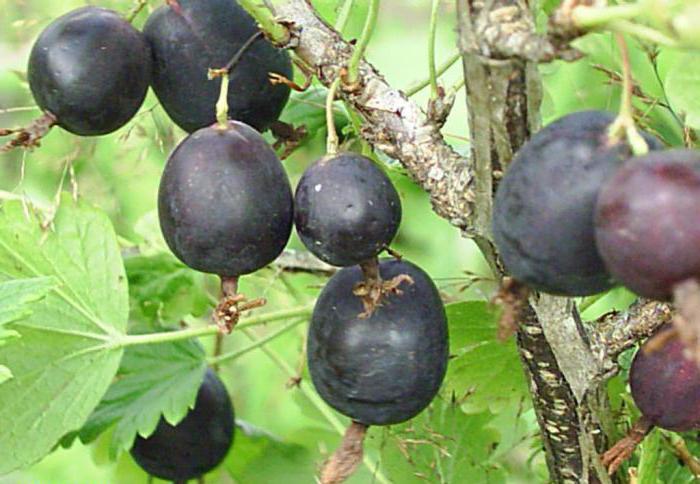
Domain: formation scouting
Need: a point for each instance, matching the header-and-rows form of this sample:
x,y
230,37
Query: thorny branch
x,y
567,362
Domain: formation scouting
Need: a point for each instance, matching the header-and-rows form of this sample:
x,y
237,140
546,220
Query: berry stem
x,y
344,461
209,330
246,45
431,50
624,125
222,103
229,286
361,46
332,137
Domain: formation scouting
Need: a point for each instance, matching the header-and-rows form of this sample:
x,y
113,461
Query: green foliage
x,y
162,289
152,380
681,83
261,457
65,357
308,108
443,445
15,298
484,373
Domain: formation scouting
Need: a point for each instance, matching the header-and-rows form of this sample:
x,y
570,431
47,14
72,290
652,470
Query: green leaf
x,y
260,457
5,374
153,380
66,356
442,444
308,108
682,84
15,299
482,367
17,295
648,471
161,287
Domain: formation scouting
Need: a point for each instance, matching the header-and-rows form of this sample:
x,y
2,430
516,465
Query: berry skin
x,y
647,226
203,34
224,203
346,209
197,444
543,209
385,368
90,68
665,386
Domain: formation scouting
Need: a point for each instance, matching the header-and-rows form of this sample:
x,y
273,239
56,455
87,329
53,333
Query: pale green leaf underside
x,y
65,357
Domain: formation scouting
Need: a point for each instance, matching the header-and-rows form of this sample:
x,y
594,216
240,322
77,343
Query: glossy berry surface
x,y
647,226
197,444
665,386
90,68
543,209
224,203
202,34
346,209
385,368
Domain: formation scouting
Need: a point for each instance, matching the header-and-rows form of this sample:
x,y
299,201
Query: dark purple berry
x,y
346,209
384,368
225,203
90,69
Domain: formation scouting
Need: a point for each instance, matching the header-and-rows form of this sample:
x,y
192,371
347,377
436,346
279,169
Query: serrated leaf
x,y
259,457
443,444
67,354
482,367
162,287
308,108
153,380
682,84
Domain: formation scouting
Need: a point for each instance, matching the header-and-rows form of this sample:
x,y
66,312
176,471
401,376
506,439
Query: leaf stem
x,y
209,330
431,49
265,18
166,336
226,357
370,22
595,17
420,85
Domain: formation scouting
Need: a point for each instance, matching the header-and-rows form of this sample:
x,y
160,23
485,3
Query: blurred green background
x,y
120,174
